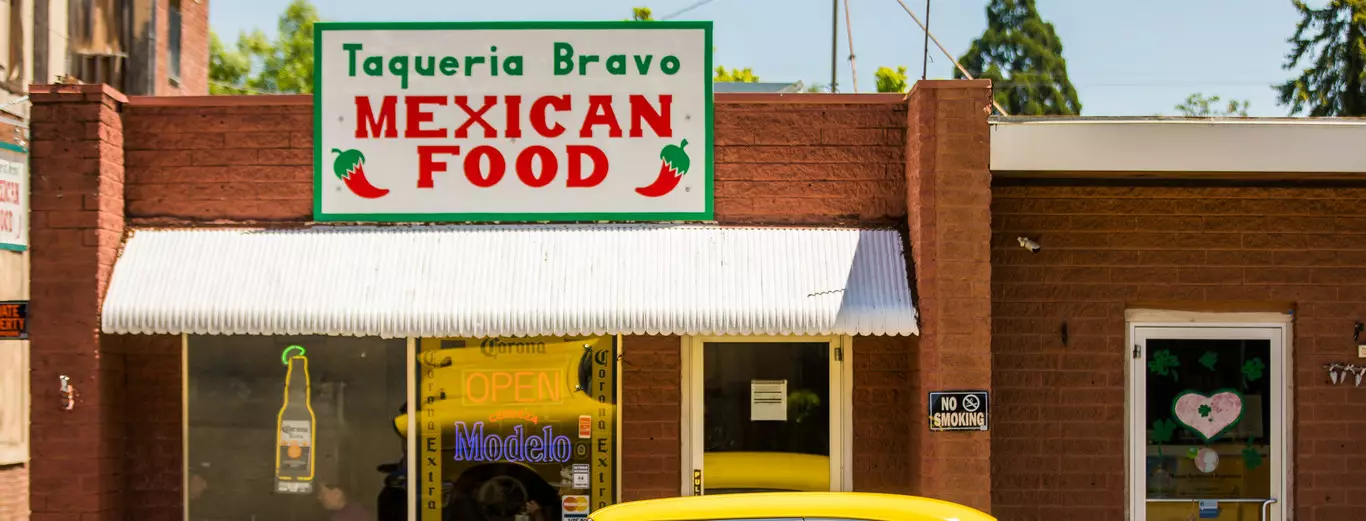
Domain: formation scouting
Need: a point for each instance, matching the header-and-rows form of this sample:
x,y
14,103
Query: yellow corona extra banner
x,y
536,416
604,391
430,443
294,433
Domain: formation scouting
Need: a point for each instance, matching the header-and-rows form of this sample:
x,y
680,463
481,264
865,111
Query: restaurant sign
x,y
512,121
13,197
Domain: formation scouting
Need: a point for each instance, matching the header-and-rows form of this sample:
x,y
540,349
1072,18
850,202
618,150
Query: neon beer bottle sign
x,y
294,435
472,445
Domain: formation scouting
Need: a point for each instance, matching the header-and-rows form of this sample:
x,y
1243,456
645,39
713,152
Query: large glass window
x,y
515,429
292,428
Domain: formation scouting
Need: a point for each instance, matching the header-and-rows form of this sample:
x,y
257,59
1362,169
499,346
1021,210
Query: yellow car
x,y
794,506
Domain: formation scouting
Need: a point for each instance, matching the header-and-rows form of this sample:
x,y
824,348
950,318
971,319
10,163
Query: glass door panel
x,y
1209,420
766,421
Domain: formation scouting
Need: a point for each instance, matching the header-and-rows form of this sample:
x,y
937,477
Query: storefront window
x,y
292,428
767,416
515,429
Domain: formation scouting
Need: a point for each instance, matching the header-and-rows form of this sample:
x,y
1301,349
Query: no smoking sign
x,y
959,410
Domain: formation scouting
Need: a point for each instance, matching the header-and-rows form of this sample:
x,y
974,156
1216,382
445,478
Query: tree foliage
x,y
891,80
257,64
228,68
745,75
1198,105
1022,55
1333,80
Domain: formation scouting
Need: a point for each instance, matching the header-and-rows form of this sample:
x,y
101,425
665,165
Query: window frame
x,y
1213,326
175,22
692,384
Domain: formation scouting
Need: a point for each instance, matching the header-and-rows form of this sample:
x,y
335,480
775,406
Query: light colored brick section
x,y
948,189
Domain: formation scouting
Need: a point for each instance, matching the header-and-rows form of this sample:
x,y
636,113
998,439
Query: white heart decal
x,y
1208,415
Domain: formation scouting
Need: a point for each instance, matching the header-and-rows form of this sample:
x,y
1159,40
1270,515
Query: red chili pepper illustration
x,y
673,166
350,168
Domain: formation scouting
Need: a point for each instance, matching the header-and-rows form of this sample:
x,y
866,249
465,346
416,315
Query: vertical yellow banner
x,y
604,391
429,458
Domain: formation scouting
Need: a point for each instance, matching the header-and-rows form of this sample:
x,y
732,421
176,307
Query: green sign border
x,y
319,160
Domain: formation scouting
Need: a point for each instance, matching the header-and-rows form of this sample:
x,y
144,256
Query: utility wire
x,y
849,27
946,53
688,8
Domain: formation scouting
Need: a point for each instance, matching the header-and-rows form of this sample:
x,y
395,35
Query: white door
x,y
1207,426
764,414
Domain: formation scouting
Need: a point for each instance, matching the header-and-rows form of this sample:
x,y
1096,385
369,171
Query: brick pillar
x,y
76,227
948,205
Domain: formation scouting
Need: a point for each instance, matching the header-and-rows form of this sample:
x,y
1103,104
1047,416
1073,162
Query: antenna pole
x,y
926,59
834,44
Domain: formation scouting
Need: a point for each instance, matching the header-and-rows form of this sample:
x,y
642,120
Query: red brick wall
x,y
13,492
651,406
1058,447
883,458
810,163
194,49
76,228
152,456
948,191
236,163
780,163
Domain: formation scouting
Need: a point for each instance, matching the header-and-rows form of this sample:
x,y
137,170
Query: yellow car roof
x,y
769,505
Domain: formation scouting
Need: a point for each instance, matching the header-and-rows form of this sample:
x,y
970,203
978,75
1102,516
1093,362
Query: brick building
x,y
178,256
151,163
105,41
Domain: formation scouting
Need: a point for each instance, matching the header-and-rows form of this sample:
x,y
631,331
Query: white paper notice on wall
x,y
768,400
13,198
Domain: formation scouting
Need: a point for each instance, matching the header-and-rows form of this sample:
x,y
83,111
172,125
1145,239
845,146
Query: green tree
x,y
1198,105
746,75
889,80
258,64
1333,82
1022,55
229,69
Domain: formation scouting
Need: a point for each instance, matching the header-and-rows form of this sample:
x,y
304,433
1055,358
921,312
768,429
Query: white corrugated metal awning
x,y
512,280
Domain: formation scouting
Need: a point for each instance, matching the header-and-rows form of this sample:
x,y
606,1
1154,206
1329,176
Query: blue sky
x,y
1125,58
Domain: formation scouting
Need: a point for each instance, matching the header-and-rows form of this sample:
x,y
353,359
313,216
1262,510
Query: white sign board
x,y
513,121
768,400
13,197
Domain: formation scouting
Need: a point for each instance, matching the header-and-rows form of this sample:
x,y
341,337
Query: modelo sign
x,y
514,121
